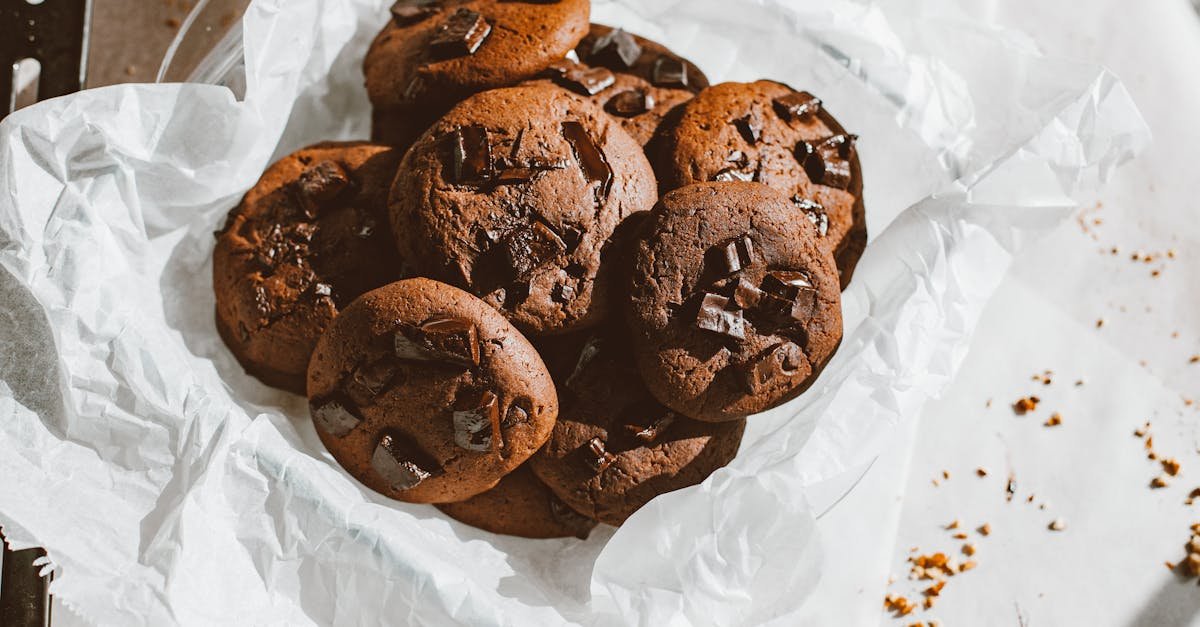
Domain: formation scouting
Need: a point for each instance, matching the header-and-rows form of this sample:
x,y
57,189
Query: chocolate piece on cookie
x,y
626,53
434,53
426,394
769,133
614,447
520,505
515,196
310,237
735,306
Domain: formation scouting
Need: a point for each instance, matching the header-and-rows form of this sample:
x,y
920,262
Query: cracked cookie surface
x,y
426,394
311,236
734,306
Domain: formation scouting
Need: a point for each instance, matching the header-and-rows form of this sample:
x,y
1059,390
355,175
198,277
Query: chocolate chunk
x,y
783,359
516,415
797,106
472,155
669,72
598,459
617,48
529,248
816,214
789,295
743,294
735,255
461,34
336,416
407,12
714,315
630,103
734,174
401,464
656,428
444,339
591,159
477,422
570,518
588,81
322,289
750,127
320,184
370,380
562,293
571,237
827,162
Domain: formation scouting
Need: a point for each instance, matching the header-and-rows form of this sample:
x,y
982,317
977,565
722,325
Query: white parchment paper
x,y
170,488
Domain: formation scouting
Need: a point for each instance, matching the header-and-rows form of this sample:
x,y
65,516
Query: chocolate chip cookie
x,y
626,53
428,395
434,53
768,132
614,447
521,505
735,307
310,237
638,105
515,196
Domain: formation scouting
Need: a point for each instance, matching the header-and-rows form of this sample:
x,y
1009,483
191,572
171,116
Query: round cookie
x,y
426,394
432,54
770,133
310,237
638,105
614,447
735,308
520,505
626,53
515,196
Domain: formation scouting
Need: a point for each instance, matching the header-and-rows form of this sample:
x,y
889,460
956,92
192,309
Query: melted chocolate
x,y
714,315
450,340
401,464
460,35
797,106
597,456
630,103
477,422
591,159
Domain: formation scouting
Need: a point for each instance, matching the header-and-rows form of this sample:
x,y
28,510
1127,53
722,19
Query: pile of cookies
x,y
560,276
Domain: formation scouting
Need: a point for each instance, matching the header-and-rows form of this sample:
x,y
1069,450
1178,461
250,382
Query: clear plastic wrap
x,y
169,487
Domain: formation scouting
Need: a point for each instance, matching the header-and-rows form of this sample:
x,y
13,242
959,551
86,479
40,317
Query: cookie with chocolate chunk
x,y
426,394
434,53
639,106
520,505
770,133
735,306
626,53
310,237
615,447
516,196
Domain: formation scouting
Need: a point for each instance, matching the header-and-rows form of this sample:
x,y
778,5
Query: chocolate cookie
x,y
515,195
520,505
434,53
627,53
735,307
638,105
614,447
770,133
310,237
426,394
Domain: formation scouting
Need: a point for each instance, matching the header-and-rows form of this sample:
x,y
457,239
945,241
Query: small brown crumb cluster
x,y
1170,466
1026,405
1189,566
936,568
1046,377
1054,420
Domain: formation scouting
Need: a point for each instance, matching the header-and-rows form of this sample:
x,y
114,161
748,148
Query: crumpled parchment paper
x,y
171,488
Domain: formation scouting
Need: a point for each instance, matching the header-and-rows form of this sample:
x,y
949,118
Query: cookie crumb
x,y
1057,524
1054,420
953,524
985,529
960,536
1192,496
968,549
1142,430
1026,405
1010,488
1079,383
981,471
1099,323
1171,466
1194,360
946,474
1159,482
